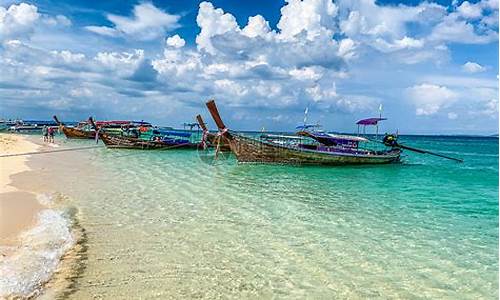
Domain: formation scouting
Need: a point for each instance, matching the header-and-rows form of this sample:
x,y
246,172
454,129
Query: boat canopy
x,y
370,121
280,136
308,126
347,137
173,133
330,139
39,123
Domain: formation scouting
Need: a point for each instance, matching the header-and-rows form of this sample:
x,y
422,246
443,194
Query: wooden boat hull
x,y
253,150
75,133
249,150
122,142
213,140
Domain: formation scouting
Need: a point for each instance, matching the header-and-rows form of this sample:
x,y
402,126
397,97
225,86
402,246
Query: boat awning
x,y
280,136
174,133
370,121
113,122
347,137
331,139
308,126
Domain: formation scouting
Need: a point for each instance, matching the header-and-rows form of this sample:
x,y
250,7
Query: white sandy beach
x,y
18,209
34,236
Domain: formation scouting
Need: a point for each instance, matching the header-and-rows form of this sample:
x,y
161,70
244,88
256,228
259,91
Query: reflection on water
x,y
163,224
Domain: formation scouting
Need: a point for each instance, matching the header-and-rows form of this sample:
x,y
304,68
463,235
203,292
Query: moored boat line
x,y
84,130
308,146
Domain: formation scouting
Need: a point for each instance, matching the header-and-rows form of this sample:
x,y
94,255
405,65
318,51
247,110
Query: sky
x,y
431,66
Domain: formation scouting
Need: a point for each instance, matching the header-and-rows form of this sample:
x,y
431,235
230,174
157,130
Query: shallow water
x,y
166,225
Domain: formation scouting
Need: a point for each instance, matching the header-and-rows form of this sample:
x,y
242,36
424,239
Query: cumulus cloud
x,y
17,20
314,18
430,98
212,22
257,27
469,24
373,23
175,41
472,67
328,55
258,66
470,11
148,22
390,29
460,31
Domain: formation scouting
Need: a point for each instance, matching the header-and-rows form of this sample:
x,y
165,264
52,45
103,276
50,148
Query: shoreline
x,y
36,233
18,208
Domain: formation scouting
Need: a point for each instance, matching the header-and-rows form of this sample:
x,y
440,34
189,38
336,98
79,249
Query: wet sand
x,y
18,208
18,212
39,237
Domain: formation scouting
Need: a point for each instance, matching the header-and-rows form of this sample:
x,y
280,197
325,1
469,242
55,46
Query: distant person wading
x,y
45,133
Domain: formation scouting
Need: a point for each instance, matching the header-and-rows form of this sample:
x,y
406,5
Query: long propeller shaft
x,y
428,152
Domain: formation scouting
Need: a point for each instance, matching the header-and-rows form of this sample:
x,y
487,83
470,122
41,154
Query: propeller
x,y
392,141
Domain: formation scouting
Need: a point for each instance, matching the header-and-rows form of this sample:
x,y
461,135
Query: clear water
x,y
166,225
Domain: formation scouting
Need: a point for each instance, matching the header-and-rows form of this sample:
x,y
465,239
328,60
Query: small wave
x,y
45,199
24,272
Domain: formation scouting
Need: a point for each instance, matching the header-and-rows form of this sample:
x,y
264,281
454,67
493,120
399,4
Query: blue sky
x,y
432,65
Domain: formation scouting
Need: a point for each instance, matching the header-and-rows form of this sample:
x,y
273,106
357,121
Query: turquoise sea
x,y
166,225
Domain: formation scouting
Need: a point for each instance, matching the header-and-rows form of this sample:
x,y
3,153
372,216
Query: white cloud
x,y
68,57
313,17
318,93
257,26
57,20
148,22
430,98
316,58
17,20
472,67
404,43
260,67
81,92
307,73
490,108
460,31
212,22
347,49
112,59
103,30
176,41
470,11
368,20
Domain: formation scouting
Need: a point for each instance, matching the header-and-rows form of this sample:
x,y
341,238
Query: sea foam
x,y
24,272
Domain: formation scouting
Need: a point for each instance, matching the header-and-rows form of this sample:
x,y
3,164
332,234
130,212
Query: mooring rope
x,y
50,151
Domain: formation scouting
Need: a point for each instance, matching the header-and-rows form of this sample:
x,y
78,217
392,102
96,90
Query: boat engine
x,y
390,140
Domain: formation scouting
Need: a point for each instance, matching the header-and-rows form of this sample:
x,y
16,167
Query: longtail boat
x,y
327,148
78,132
249,149
152,139
84,130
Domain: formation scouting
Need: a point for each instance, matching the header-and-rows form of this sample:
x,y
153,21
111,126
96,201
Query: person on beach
x,y
45,133
51,134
